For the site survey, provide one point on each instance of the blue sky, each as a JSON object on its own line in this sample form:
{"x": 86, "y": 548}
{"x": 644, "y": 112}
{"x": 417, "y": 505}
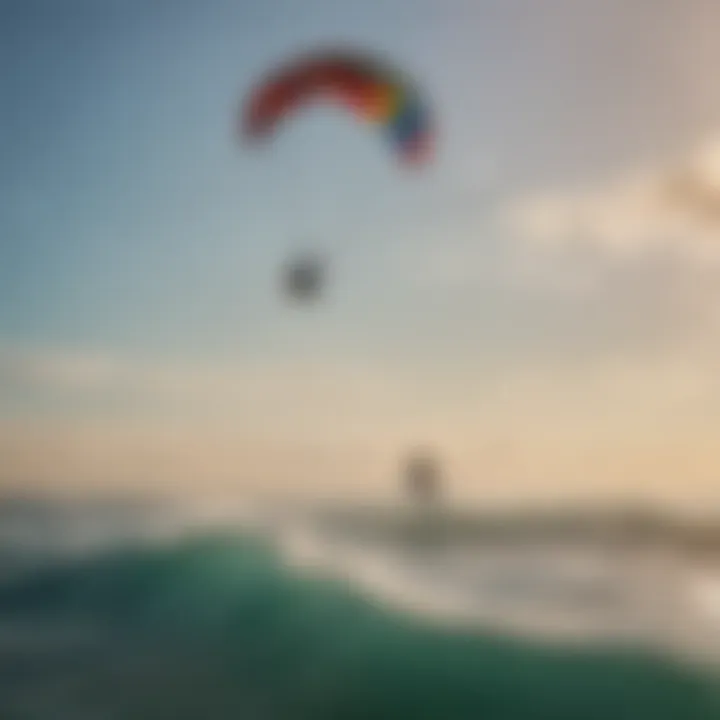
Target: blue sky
{"x": 130, "y": 217}
{"x": 133, "y": 226}
{"x": 129, "y": 214}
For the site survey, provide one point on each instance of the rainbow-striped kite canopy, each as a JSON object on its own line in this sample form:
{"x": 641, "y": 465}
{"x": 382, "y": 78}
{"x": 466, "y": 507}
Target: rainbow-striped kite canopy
{"x": 369, "y": 88}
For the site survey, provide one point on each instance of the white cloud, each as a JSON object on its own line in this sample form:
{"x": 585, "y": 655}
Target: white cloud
{"x": 84, "y": 373}
{"x": 672, "y": 209}
{"x": 319, "y": 399}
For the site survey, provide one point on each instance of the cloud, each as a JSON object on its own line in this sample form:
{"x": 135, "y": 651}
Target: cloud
{"x": 632, "y": 262}
{"x": 671, "y": 210}
{"x": 287, "y": 400}
{"x": 60, "y": 370}
{"x": 90, "y": 374}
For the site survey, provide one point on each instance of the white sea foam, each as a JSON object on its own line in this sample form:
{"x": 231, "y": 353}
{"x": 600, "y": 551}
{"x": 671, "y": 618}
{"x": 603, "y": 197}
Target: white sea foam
{"x": 654, "y": 595}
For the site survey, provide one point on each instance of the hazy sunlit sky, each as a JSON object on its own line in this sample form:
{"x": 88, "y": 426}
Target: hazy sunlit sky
{"x": 535, "y": 303}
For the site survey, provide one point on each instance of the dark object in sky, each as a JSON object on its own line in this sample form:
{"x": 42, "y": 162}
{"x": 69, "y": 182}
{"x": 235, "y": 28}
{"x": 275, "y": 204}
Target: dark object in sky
{"x": 422, "y": 477}
{"x": 303, "y": 278}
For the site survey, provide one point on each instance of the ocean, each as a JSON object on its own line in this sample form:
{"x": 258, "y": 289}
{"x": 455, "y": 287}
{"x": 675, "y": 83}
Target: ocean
{"x": 152, "y": 614}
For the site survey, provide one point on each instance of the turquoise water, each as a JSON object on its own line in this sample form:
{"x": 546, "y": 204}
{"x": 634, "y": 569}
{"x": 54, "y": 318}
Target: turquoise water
{"x": 216, "y": 627}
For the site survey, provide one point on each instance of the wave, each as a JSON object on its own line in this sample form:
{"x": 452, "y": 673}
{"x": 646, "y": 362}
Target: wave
{"x": 220, "y": 626}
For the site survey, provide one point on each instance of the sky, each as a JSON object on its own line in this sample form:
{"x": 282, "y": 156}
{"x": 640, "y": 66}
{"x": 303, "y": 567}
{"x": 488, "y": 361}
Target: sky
{"x": 540, "y": 303}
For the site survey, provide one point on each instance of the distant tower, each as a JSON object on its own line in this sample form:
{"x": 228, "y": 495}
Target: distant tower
{"x": 423, "y": 479}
